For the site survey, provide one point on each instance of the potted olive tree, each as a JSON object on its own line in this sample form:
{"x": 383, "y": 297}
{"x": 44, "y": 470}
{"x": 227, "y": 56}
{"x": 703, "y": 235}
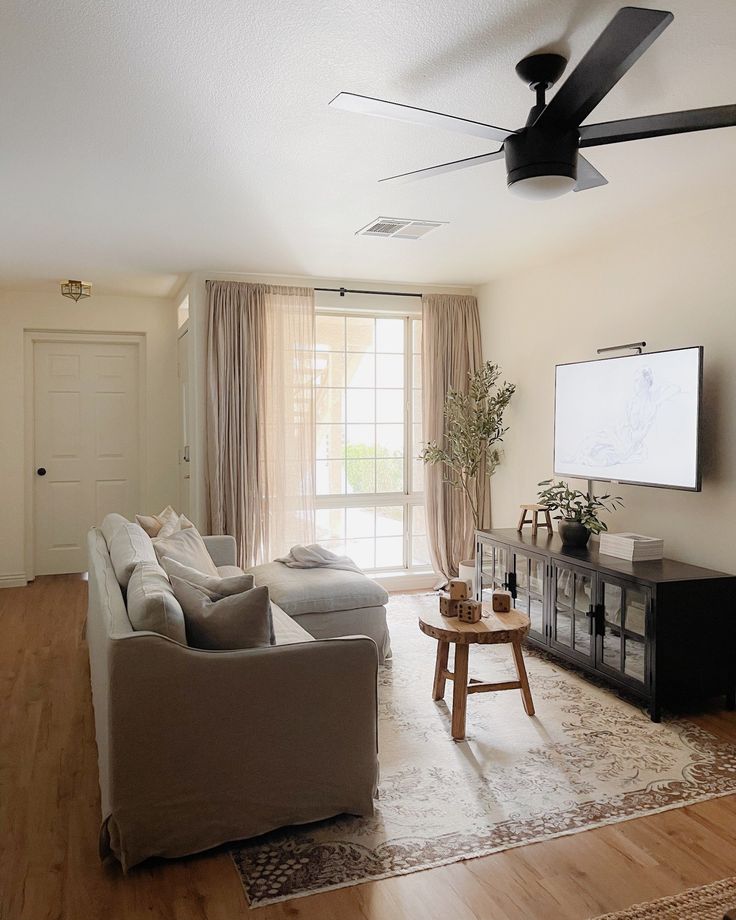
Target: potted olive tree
{"x": 474, "y": 430}
{"x": 579, "y": 515}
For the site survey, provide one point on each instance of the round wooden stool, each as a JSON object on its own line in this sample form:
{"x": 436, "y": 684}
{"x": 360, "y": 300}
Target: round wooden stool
{"x": 493, "y": 629}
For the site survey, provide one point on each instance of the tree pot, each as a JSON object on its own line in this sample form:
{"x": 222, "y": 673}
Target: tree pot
{"x": 573, "y": 533}
{"x": 467, "y": 573}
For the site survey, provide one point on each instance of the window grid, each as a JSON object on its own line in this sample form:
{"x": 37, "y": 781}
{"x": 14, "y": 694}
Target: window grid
{"x": 368, "y": 434}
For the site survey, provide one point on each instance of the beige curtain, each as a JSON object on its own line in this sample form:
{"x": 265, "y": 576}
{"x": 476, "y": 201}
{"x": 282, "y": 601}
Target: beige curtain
{"x": 260, "y": 417}
{"x": 451, "y": 348}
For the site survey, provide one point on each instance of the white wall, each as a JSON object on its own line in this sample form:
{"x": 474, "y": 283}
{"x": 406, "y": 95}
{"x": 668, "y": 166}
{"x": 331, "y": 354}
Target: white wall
{"x": 669, "y": 285}
{"x": 194, "y": 288}
{"x": 153, "y": 317}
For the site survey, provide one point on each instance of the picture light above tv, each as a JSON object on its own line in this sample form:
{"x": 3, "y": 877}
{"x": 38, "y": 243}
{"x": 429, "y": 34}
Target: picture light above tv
{"x": 632, "y": 419}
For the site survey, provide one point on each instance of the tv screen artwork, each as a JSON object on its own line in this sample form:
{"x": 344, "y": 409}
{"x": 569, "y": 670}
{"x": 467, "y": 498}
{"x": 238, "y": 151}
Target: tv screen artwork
{"x": 633, "y": 419}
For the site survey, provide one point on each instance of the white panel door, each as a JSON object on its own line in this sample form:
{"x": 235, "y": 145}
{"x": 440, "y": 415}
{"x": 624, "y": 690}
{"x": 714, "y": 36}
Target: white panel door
{"x": 184, "y": 424}
{"x": 86, "y": 445}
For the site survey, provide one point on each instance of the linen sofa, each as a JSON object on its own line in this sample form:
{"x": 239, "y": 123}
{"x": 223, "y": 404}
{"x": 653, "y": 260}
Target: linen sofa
{"x": 197, "y": 748}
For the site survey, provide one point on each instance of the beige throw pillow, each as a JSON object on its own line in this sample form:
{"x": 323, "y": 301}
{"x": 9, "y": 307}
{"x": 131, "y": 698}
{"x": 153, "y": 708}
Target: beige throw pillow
{"x": 186, "y": 547}
{"x": 163, "y": 524}
{"x": 235, "y": 622}
{"x": 152, "y": 605}
{"x": 225, "y": 587}
{"x": 129, "y": 546}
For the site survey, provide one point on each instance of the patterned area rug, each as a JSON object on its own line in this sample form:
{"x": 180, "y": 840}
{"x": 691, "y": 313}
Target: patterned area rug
{"x": 586, "y": 759}
{"x": 707, "y": 903}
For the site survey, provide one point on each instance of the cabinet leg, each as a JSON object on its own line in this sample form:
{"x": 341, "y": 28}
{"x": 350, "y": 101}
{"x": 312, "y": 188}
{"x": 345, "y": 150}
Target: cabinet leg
{"x": 731, "y": 699}
{"x": 526, "y": 693}
{"x": 438, "y": 690}
{"x": 460, "y": 692}
{"x": 655, "y": 711}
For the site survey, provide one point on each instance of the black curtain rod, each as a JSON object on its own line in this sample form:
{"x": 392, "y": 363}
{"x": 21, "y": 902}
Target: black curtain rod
{"x": 343, "y": 291}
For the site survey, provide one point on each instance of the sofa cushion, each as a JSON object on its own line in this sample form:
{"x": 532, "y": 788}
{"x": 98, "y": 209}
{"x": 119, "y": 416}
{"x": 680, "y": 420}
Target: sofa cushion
{"x": 110, "y": 524}
{"x": 186, "y": 547}
{"x": 300, "y": 591}
{"x": 286, "y": 630}
{"x": 229, "y": 571}
{"x": 164, "y": 523}
{"x": 152, "y": 604}
{"x": 130, "y": 545}
{"x": 235, "y": 622}
{"x": 222, "y": 584}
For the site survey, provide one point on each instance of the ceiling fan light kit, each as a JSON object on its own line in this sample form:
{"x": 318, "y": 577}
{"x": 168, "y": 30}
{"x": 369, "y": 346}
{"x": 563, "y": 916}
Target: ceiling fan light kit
{"x": 543, "y": 158}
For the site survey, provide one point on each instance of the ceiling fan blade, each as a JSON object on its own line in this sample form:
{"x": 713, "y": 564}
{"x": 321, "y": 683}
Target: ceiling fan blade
{"x": 619, "y": 46}
{"x": 366, "y": 105}
{"x": 445, "y": 167}
{"x": 588, "y": 176}
{"x": 632, "y": 129}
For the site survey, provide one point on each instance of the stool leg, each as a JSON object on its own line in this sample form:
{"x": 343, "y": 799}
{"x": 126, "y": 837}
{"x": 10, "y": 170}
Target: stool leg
{"x": 526, "y": 693}
{"x": 535, "y": 524}
{"x": 548, "y": 521}
{"x": 438, "y": 690}
{"x": 460, "y": 692}
{"x": 522, "y": 521}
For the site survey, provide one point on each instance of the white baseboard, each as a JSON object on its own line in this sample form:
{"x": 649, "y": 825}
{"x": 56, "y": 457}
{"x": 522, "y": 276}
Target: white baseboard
{"x": 18, "y": 580}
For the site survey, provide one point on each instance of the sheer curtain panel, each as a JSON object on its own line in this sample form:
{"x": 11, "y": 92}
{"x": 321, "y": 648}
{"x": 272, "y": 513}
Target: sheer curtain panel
{"x": 260, "y": 416}
{"x": 451, "y": 349}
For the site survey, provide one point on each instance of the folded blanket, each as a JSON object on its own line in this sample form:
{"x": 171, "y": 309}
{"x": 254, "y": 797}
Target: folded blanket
{"x": 315, "y": 556}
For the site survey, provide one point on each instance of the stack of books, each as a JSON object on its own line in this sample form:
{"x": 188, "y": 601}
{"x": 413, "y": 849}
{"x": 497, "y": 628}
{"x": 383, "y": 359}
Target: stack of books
{"x": 632, "y": 546}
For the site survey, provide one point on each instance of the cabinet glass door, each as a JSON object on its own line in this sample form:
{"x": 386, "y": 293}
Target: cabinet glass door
{"x": 494, "y": 568}
{"x": 528, "y": 587}
{"x": 623, "y": 615}
{"x": 572, "y": 623}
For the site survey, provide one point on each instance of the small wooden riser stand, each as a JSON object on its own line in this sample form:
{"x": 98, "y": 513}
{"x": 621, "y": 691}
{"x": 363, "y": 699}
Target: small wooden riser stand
{"x": 535, "y": 511}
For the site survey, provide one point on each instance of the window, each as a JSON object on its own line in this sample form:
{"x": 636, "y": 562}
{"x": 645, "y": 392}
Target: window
{"x": 368, "y": 379}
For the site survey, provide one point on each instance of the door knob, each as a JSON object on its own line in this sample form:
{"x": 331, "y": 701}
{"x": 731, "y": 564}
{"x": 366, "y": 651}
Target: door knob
{"x": 41, "y": 471}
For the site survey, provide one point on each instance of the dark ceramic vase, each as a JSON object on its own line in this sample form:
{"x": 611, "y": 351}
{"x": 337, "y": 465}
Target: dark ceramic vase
{"x": 573, "y": 533}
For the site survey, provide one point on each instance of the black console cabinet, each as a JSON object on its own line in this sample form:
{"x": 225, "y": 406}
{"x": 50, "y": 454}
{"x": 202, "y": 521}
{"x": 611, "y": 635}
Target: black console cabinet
{"x": 665, "y": 631}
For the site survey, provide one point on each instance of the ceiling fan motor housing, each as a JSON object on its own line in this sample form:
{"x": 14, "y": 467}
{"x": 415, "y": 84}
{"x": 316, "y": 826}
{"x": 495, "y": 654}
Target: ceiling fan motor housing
{"x": 533, "y": 152}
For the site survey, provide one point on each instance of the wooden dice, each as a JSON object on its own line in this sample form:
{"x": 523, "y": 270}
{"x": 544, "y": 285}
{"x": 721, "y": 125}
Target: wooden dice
{"x": 469, "y": 611}
{"x": 501, "y": 602}
{"x": 448, "y": 605}
{"x": 458, "y": 589}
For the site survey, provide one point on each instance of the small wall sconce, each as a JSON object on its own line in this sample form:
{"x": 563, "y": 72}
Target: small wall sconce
{"x": 76, "y": 289}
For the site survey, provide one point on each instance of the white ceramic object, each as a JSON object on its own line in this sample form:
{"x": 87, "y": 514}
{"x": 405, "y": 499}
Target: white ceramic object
{"x": 466, "y": 571}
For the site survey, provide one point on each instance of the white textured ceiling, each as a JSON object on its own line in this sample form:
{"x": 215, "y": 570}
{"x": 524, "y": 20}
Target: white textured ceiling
{"x": 143, "y": 139}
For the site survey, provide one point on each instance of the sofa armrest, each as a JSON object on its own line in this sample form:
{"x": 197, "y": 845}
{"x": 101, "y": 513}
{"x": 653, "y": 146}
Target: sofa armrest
{"x": 222, "y": 548}
{"x": 208, "y": 747}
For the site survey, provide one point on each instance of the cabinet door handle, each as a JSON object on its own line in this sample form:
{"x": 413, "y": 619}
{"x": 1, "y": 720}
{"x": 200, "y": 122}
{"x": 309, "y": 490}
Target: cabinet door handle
{"x": 591, "y": 614}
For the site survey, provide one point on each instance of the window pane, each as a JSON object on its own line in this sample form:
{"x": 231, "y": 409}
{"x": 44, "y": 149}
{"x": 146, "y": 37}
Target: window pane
{"x": 389, "y": 405}
{"x": 416, "y": 406}
{"x": 361, "y": 333}
{"x": 389, "y": 552}
{"x": 361, "y": 441}
{"x": 362, "y": 552}
{"x": 389, "y": 440}
{"x": 330, "y": 442}
{"x": 416, "y": 335}
{"x": 330, "y": 333}
{"x": 420, "y": 551}
{"x": 361, "y": 405}
{"x": 418, "y": 521}
{"x": 330, "y": 477}
{"x": 361, "y": 370}
{"x": 361, "y": 476}
{"x": 389, "y": 475}
{"x": 390, "y": 335}
{"x": 330, "y": 369}
{"x": 417, "y": 476}
{"x": 360, "y": 523}
{"x": 416, "y": 370}
{"x": 389, "y": 371}
{"x": 330, "y": 405}
{"x": 334, "y": 546}
{"x": 389, "y": 521}
{"x": 330, "y": 524}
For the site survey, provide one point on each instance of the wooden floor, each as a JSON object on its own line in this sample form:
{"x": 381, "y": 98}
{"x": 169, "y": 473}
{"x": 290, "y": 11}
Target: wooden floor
{"x": 49, "y": 818}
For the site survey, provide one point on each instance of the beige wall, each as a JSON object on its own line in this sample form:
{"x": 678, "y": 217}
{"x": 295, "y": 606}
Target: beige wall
{"x": 670, "y": 285}
{"x": 153, "y": 317}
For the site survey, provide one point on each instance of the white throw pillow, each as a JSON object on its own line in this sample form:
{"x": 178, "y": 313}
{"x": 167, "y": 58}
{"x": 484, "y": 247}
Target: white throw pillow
{"x": 152, "y": 605}
{"x": 129, "y": 546}
{"x": 235, "y": 622}
{"x": 163, "y": 524}
{"x": 186, "y": 547}
{"x": 225, "y": 587}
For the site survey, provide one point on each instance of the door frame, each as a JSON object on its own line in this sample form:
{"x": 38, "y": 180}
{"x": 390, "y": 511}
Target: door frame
{"x": 106, "y": 337}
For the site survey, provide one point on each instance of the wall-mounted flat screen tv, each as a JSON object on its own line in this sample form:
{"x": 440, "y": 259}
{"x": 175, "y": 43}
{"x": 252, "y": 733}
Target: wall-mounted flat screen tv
{"x": 632, "y": 419}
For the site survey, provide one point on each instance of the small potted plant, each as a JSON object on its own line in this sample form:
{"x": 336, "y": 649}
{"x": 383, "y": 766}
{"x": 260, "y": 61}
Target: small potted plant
{"x": 579, "y": 511}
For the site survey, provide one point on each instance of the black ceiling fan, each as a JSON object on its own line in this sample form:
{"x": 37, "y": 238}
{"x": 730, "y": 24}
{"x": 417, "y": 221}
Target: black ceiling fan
{"x": 542, "y": 158}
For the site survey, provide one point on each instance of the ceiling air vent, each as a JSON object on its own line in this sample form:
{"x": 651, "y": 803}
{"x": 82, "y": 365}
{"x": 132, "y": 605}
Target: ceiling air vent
{"x": 399, "y": 228}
